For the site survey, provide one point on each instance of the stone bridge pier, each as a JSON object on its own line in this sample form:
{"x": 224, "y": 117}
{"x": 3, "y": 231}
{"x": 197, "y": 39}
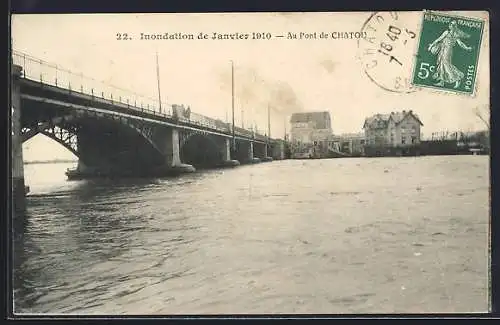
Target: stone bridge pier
{"x": 278, "y": 150}
{"x": 172, "y": 153}
{"x": 244, "y": 152}
{"x": 261, "y": 151}
{"x": 18, "y": 187}
{"x": 226, "y": 154}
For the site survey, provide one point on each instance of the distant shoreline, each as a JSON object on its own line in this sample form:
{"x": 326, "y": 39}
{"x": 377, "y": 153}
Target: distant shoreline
{"x": 57, "y": 161}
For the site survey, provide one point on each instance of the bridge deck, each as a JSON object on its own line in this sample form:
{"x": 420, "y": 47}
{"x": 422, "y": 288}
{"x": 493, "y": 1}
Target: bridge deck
{"x": 41, "y": 92}
{"x": 50, "y": 81}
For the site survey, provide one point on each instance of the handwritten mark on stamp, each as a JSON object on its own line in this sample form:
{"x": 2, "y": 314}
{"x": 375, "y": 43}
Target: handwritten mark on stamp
{"x": 387, "y": 49}
{"x": 448, "y": 53}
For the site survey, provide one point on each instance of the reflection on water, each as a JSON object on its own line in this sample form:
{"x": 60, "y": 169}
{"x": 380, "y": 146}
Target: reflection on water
{"x": 318, "y": 236}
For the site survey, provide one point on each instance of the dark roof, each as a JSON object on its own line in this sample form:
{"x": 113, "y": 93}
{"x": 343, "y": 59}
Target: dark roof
{"x": 381, "y": 120}
{"x": 319, "y": 118}
{"x": 377, "y": 121}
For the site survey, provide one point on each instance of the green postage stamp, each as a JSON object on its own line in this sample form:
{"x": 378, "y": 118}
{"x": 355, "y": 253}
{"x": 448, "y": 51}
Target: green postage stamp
{"x": 448, "y": 52}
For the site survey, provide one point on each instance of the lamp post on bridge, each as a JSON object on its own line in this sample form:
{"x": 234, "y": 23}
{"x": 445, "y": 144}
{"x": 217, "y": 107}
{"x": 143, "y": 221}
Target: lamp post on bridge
{"x": 268, "y": 121}
{"x": 158, "y": 81}
{"x": 232, "y": 103}
{"x": 284, "y": 124}
{"x": 242, "y": 118}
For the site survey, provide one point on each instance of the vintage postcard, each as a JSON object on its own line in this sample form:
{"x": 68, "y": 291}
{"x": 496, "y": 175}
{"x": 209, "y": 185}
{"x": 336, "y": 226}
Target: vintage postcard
{"x": 251, "y": 163}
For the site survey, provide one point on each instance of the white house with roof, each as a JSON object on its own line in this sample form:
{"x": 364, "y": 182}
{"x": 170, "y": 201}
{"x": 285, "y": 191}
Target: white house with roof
{"x": 397, "y": 129}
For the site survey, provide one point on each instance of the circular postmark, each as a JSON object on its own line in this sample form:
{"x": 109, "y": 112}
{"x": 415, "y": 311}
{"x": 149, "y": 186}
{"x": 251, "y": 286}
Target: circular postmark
{"x": 387, "y": 49}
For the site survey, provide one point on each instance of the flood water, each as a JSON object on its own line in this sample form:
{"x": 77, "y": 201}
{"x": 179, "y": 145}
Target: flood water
{"x": 367, "y": 235}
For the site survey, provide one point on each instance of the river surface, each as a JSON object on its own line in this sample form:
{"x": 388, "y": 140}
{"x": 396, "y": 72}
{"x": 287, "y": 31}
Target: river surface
{"x": 404, "y": 235}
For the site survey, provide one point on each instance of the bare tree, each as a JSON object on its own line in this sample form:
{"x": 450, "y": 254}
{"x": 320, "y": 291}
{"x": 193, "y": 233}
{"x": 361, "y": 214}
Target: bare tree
{"x": 483, "y": 116}
{"x": 483, "y": 137}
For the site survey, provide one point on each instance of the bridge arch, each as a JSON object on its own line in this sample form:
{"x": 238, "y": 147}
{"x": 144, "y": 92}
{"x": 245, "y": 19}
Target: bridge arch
{"x": 48, "y": 128}
{"x": 201, "y": 150}
{"x": 45, "y": 147}
{"x": 119, "y": 145}
{"x": 147, "y": 133}
{"x": 32, "y": 130}
{"x": 145, "y": 130}
{"x": 65, "y": 137}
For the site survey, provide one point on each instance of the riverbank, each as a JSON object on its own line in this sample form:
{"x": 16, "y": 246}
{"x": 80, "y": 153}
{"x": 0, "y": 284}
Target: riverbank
{"x": 55, "y": 161}
{"x": 471, "y": 153}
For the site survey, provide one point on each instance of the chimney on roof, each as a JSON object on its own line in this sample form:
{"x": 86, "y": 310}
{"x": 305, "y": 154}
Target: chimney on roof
{"x": 404, "y": 111}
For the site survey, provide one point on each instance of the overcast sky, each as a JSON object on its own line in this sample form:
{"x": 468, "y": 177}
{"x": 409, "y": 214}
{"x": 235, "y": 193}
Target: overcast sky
{"x": 290, "y": 75}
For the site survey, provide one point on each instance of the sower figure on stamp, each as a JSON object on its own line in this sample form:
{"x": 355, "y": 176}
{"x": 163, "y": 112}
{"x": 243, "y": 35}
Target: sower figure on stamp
{"x": 443, "y": 46}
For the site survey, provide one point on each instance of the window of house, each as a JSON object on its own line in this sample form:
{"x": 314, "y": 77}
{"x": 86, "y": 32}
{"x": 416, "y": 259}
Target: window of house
{"x": 413, "y": 139}
{"x": 403, "y": 140}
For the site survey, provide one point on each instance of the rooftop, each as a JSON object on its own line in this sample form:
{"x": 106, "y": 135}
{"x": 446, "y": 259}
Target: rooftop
{"x": 381, "y": 120}
{"x": 319, "y": 118}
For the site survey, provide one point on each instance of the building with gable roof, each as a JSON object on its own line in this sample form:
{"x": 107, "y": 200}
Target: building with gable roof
{"x": 397, "y": 129}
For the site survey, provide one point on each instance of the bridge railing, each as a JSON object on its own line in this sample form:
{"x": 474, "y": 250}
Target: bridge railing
{"x": 221, "y": 126}
{"x": 52, "y": 74}
{"x": 208, "y": 122}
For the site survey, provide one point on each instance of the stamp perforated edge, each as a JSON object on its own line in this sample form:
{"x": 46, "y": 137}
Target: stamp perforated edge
{"x": 446, "y": 90}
